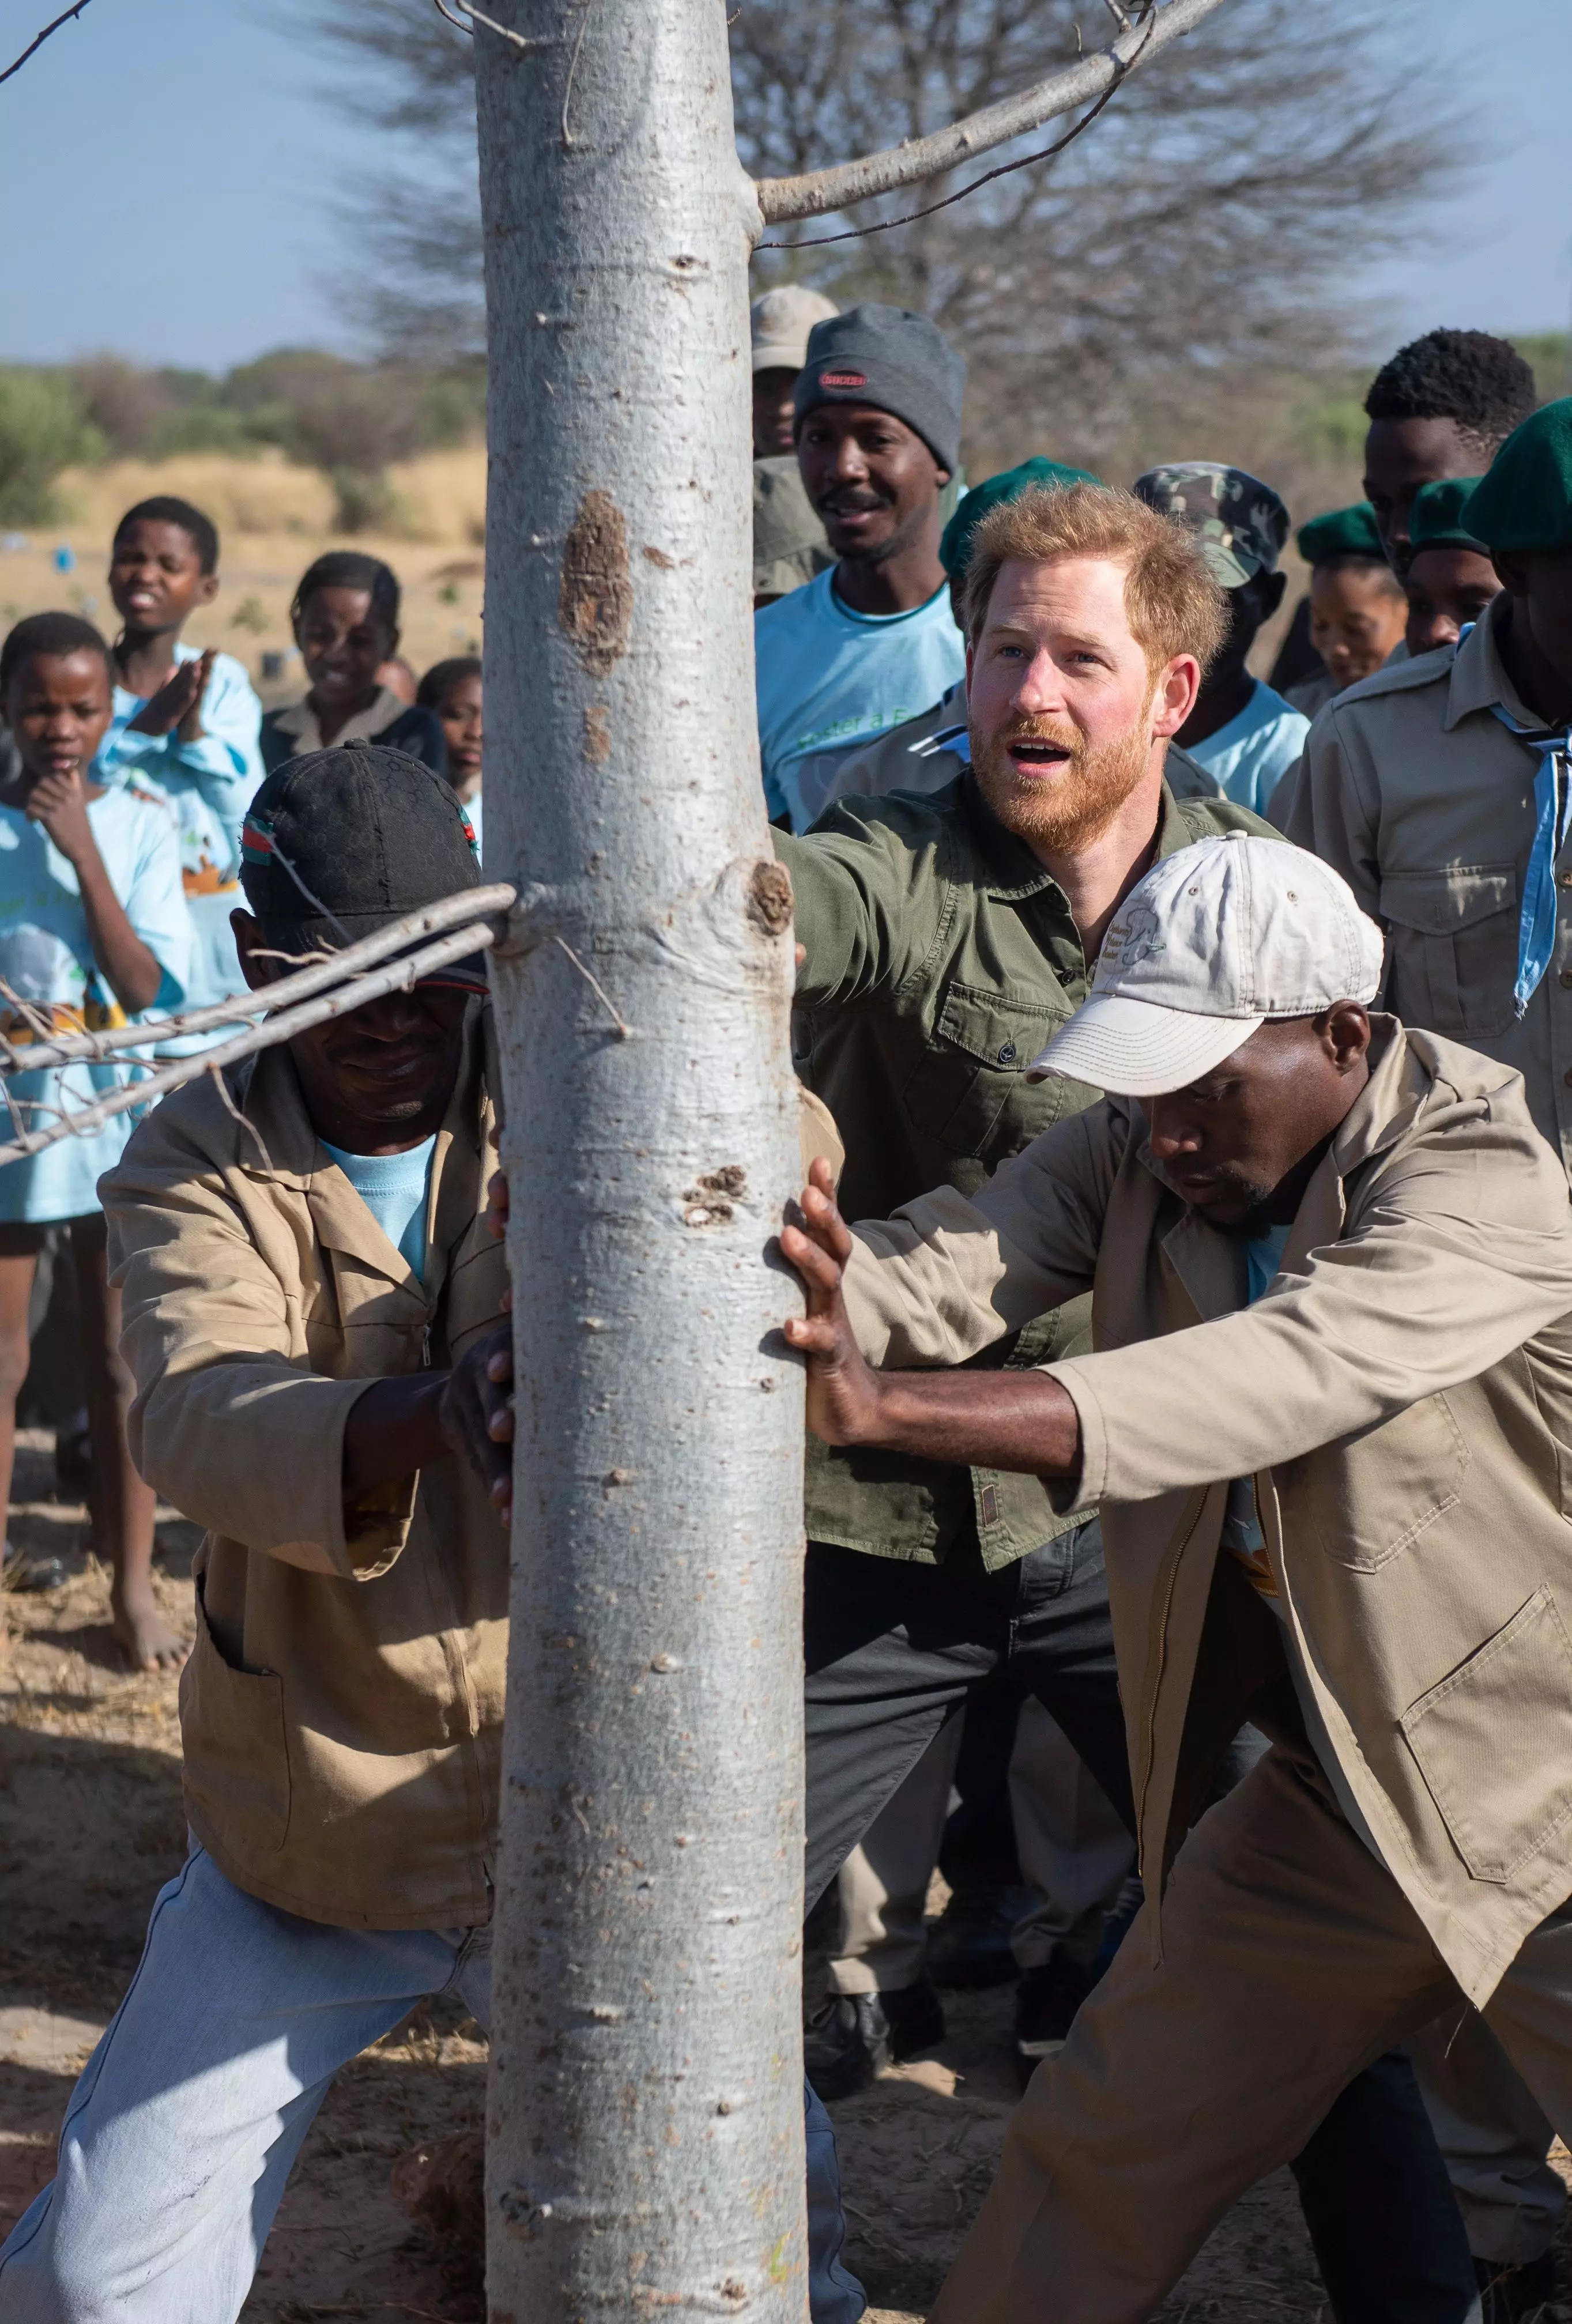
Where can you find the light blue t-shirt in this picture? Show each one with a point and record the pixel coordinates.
(209, 785)
(1244, 1539)
(46, 957)
(1248, 758)
(830, 680)
(394, 1189)
(472, 809)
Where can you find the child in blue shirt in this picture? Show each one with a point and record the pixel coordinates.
(185, 723)
(93, 933)
(452, 689)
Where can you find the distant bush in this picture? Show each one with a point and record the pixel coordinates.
(348, 419)
(43, 429)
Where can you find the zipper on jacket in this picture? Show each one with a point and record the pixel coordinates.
(425, 1347)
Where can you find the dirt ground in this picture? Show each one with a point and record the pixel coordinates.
(91, 1825)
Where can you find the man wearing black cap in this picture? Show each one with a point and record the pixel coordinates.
(304, 1263)
(871, 640)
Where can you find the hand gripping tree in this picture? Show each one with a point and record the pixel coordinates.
(645, 2139)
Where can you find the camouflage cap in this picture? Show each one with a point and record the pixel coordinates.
(1242, 522)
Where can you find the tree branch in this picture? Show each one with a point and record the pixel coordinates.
(824, 190)
(34, 45)
(398, 976)
(75, 1048)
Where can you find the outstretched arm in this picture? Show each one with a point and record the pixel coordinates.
(1019, 1420)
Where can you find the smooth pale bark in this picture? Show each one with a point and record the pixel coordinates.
(646, 2134)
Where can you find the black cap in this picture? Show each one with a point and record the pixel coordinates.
(894, 361)
(338, 843)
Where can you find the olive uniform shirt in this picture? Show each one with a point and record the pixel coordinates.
(941, 957)
(1415, 790)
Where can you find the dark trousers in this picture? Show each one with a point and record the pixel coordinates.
(892, 1650)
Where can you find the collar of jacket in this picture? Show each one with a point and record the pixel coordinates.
(299, 722)
(1479, 680)
(270, 1098)
(1012, 871)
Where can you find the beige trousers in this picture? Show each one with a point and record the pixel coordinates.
(1291, 1960)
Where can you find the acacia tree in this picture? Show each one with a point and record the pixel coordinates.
(645, 2143)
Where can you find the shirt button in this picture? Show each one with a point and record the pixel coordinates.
(1567, 976)
(1564, 879)
(1566, 1077)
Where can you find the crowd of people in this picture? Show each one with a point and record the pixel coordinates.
(126, 771)
(1191, 1414)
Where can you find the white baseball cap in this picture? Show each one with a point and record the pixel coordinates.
(782, 320)
(1215, 940)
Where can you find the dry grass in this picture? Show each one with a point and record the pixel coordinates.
(274, 518)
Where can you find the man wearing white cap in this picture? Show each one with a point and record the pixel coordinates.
(1328, 1422)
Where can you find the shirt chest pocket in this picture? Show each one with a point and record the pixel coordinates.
(969, 1084)
(1452, 948)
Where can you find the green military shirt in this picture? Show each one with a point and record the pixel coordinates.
(941, 956)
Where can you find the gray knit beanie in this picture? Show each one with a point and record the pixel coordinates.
(895, 360)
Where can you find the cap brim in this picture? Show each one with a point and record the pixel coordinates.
(1137, 1049)
(771, 355)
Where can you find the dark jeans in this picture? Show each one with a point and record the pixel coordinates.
(892, 1650)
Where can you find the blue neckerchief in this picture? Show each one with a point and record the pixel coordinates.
(1552, 795)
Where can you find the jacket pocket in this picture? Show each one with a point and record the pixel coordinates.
(1494, 1742)
(1370, 1496)
(972, 1069)
(237, 1761)
(1452, 941)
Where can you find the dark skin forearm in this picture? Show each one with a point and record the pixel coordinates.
(393, 1430)
(1020, 1420)
(979, 1420)
(130, 968)
(401, 1425)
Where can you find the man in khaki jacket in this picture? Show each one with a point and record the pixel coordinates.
(303, 1260)
(1438, 788)
(1344, 1512)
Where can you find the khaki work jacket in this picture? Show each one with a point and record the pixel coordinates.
(342, 1707)
(1415, 791)
(1402, 1396)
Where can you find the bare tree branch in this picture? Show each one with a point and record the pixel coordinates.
(331, 968)
(399, 975)
(822, 190)
(946, 201)
(34, 45)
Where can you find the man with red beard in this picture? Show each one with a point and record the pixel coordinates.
(944, 939)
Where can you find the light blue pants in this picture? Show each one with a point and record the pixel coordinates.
(189, 2115)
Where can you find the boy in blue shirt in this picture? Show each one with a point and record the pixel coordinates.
(184, 723)
(93, 933)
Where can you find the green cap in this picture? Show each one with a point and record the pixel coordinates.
(954, 546)
(1341, 532)
(1437, 518)
(1525, 499)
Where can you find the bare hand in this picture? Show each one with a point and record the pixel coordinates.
(844, 1394)
(60, 802)
(178, 702)
(477, 1413)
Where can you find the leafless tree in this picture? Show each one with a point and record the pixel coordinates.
(1216, 218)
(1211, 226)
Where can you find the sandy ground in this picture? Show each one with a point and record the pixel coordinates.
(91, 1825)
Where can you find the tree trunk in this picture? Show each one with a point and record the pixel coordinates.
(645, 2132)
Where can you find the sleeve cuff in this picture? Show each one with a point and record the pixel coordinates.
(1088, 1487)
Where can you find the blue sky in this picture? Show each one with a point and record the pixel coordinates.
(169, 182)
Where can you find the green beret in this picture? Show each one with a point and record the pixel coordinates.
(956, 542)
(1437, 520)
(1341, 532)
(1524, 501)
